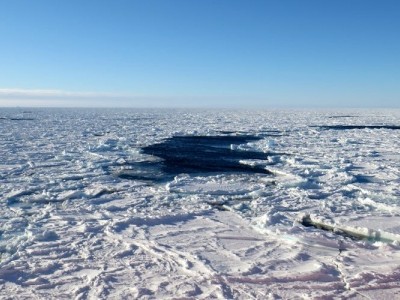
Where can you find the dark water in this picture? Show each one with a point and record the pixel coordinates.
(196, 154)
(349, 127)
(341, 116)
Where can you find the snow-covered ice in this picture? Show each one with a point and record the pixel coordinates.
(199, 204)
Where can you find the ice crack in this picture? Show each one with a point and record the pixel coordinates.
(339, 267)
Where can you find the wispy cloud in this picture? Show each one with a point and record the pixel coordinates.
(49, 97)
(12, 97)
(31, 93)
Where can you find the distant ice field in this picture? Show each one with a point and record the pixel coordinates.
(199, 204)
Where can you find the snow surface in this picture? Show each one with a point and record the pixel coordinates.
(324, 225)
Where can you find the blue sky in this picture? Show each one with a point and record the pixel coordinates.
(282, 53)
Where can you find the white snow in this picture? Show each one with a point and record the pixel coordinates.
(71, 228)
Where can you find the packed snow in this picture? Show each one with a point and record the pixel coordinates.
(199, 204)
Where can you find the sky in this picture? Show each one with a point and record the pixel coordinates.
(200, 53)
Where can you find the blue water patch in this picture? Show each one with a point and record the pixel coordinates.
(341, 116)
(349, 127)
(197, 154)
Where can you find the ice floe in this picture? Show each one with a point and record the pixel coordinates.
(199, 204)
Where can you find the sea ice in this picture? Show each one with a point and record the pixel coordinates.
(199, 204)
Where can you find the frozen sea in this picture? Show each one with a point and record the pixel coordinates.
(199, 204)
